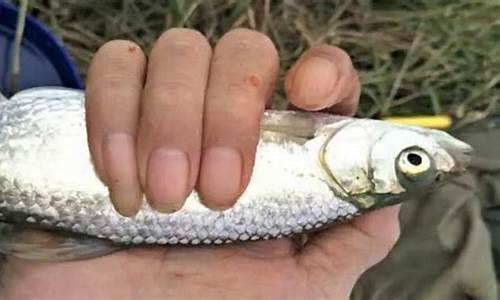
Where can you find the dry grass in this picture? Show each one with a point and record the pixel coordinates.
(427, 57)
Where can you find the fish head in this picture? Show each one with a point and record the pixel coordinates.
(373, 163)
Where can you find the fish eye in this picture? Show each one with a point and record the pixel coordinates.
(414, 159)
(413, 162)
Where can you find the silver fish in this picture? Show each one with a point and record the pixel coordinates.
(311, 170)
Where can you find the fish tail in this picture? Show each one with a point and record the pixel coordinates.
(33, 244)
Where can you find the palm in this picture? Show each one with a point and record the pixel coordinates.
(326, 268)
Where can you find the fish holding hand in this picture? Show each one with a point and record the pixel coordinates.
(312, 170)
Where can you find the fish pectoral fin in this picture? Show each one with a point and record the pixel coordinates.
(295, 124)
(34, 244)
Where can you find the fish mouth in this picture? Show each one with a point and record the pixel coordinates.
(462, 159)
(461, 152)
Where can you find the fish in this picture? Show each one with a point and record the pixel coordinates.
(312, 170)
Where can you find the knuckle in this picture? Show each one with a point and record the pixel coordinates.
(177, 90)
(113, 88)
(183, 33)
(117, 44)
(239, 33)
(242, 95)
(117, 63)
(170, 94)
(116, 82)
(248, 38)
(245, 112)
(184, 39)
(120, 50)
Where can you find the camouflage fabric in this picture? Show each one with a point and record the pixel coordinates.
(450, 241)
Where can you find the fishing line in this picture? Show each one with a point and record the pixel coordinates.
(16, 49)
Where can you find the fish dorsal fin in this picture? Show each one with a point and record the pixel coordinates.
(296, 124)
(32, 244)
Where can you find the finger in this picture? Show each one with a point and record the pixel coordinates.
(350, 249)
(114, 86)
(324, 77)
(242, 76)
(169, 139)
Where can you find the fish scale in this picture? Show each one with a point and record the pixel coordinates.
(47, 178)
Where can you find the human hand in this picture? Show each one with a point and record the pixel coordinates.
(188, 124)
(189, 117)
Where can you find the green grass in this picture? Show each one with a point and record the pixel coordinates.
(427, 57)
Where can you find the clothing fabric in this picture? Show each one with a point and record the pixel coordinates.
(450, 240)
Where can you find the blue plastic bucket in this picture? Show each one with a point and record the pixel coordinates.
(44, 61)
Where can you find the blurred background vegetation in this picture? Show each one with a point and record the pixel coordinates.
(414, 57)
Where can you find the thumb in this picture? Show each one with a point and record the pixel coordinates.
(340, 255)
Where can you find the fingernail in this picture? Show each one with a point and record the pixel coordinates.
(220, 177)
(313, 82)
(167, 179)
(120, 165)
